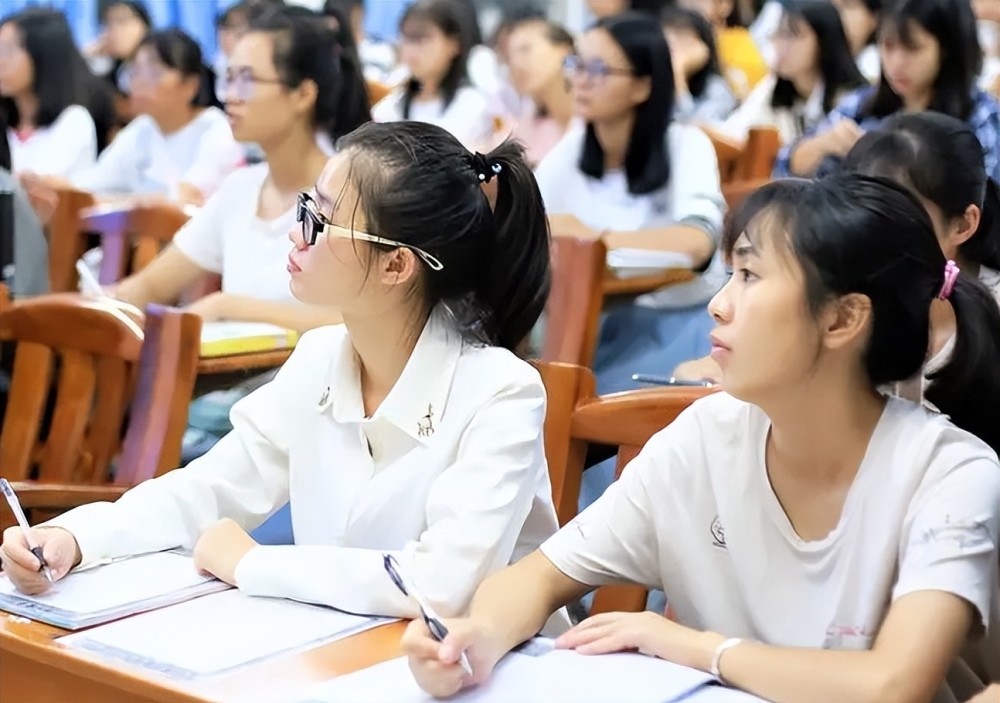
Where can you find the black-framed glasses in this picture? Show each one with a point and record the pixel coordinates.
(242, 81)
(594, 69)
(315, 224)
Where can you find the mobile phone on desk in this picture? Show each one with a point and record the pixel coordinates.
(669, 381)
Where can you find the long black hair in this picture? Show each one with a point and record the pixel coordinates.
(952, 23)
(305, 48)
(61, 75)
(860, 234)
(940, 159)
(419, 186)
(691, 21)
(177, 50)
(837, 67)
(452, 18)
(647, 160)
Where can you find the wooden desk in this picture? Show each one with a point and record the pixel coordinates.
(36, 669)
(253, 361)
(612, 285)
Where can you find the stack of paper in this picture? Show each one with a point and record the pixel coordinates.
(227, 338)
(558, 676)
(629, 263)
(112, 591)
(217, 633)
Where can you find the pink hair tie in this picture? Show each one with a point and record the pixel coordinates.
(950, 276)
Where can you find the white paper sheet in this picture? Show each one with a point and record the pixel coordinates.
(629, 262)
(556, 677)
(216, 633)
(117, 584)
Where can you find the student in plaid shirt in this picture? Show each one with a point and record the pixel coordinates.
(930, 61)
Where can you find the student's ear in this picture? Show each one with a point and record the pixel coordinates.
(305, 96)
(846, 320)
(398, 267)
(641, 89)
(963, 227)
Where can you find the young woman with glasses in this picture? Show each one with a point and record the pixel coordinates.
(638, 180)
(411, 430)
(282, 87)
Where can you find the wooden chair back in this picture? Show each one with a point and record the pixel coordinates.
(377, 91)
(66, 243)
(131, 237)
(574, 305)
(576, 419)
(757, 158)
(728, 154)
(738, 191)
(116, 387)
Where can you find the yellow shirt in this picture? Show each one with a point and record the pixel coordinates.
(742, 64)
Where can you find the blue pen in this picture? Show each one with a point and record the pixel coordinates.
(15, 506)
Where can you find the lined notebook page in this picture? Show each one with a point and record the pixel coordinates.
(216, 633)
(559, 676)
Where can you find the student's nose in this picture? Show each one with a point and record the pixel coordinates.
(720, 307)
(296, 237)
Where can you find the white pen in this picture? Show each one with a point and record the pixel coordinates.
(15, 506)
(89, 284)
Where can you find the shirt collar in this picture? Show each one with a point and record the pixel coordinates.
(416, 403)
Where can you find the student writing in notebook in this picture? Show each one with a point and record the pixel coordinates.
(817, 541)
(413, 428)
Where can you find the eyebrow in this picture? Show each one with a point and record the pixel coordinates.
(744, 250)
(321, 198)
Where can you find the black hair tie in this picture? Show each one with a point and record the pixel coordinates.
(485, 171)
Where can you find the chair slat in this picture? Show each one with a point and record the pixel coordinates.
(25, 406)
(103, 439)
(74, 402)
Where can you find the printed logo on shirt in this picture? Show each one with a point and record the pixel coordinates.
(323, 399)
(425, 425)
(855, 637)
(718, 533)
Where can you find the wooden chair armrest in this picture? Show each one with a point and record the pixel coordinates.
(63, 495)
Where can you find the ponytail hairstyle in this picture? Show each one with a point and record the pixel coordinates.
(354, 101)
(177, 50)
(452, 19)
(419, 186)
(305, 48)
(941, 160)
(855, 234)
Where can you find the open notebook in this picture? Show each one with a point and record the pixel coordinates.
(227, 338)
(554, 676)
(112, 591)
(216, 634)
(630, 263)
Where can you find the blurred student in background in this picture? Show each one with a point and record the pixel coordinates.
(59, 114)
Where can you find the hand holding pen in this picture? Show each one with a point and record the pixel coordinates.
(33, 558)
(431, 619)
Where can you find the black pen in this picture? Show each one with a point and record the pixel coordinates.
(669, 381)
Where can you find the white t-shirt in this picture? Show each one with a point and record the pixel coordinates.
(468, 117)
(227, 237)
(695, 515)
(65, 148)
(869, 63)
(142, 159)
(448, 474)
(692, 196)
(757, 111)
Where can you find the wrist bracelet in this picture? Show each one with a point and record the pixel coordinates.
(717, 657)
